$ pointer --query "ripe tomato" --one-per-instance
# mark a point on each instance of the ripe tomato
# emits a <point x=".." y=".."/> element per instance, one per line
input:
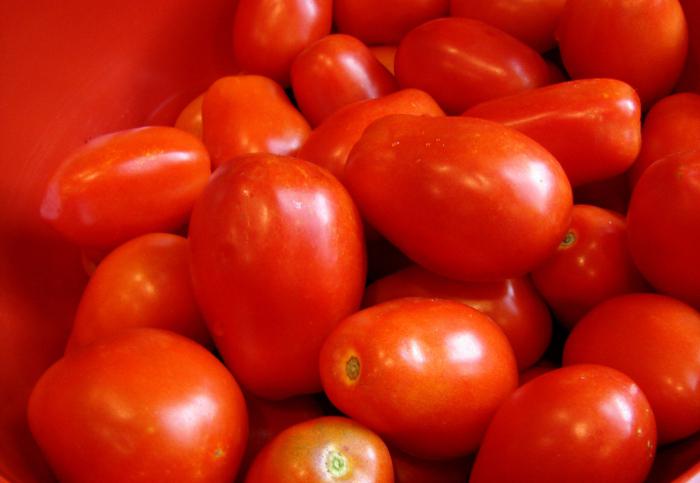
<point x="250" y="114"/>
<point x="461" y="62"/>
<point x="386" y="54"/>
<point x="690" y="79"/>
<point x="334" y="72"/>
<point x="190" y="119"/>
<point x="592" y="127"/>
<point x="465" y="198"/>
<point x="277" y="261"/>
<point x="690" y="476"/>
<point x="143" y="405"/>
<point x="425" y="374"/>
<point x="653" y="339"/>
<point x="268" y="34"/>
<point x="322" y="450"/>
<point x="663" y="223"/>
<point x="125" y="184"/>
<point x="409" y="469"/>
<point x="577" y="424"/>
<point x="643" y="43"/>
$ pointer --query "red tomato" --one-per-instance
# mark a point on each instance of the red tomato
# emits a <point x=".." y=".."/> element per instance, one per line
<point x="409" y="469"/>
<point x="675" y="459"/>
<point x="513" y="304"/>
<point x="592" y="127"/>
<point x="461" y="62"/>
<point x="322" y="450"/>
<point x="577" y="424"/>
<point x="425" y="374"/>
<point x="690" y="79"/>
<point x="250" y="114"/>
<point x="664" y="225"/>
<point x="556" y="73"/>
<point x="143" y="283"/>
<point x="641" y="42"/>
<point x="465" y="198"/>
<point x="269" y="34"/>
<point x="334" y="72"/>
<point x="690" y="476"/>
<point x="190" y="119"/>
<point x="143" y="405"/>
<point x="277" y="261"/>
<point x="654" y="340"/>
<point x="531" y="21"/>
<point x="386" y="54"/>
<point x="385" y="22"/>
<point x="125" y="184"/>
<point x="537" y="370"/>
<point x="611" y="193"/>
<point x="591" y="265"/>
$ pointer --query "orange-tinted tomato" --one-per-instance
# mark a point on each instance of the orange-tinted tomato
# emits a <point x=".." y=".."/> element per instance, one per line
<point x="409" y="469"/>
<point x="386" y="54"/>
<point x="190" y="119"/>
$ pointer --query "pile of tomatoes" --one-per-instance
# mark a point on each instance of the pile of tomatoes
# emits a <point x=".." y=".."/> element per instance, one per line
<point x="413" y="241"/>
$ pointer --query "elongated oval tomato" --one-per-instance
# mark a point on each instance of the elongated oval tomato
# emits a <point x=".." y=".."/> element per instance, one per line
<point x="277" y="261"/>
<point x="143" y="405"/>
<point x="125" y="184"/>
<point x="465" y="198"/>
<point x="461" y="62"/>
<point x="425" y="374"/>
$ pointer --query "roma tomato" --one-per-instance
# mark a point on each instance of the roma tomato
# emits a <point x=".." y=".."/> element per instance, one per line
<point x="461" y="62"/>
<point x="425" y="374"/>
<point x="513" y="304"/>
<point x="334" y="72"/>
<point x="386" y="54"/>
<point x="653" y="339"/>
<point x="592" y="127"/>
<point x="144" y="283"/>
<point x="143" y="405"/>
<point x="269" y="34"/>
<point x="190" y="119"/>
<point x="591" y="265"/>
<point x="409" y="469"/>
<point x="643" y="43"/>
<point x="125" y="184"/>
<point x="465" y="198"/>
<point x="322" y="450"/>
<point x="663" y="223"/>
<point x="577" y="424"/>
<point x="250" y="114"/>
<point x="277" y="261"/>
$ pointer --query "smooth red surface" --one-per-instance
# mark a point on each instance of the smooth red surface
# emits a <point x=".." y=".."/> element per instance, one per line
<point x="409" y="469"/>
<point x="190" y="119"/>
<point x="690" y="79"/>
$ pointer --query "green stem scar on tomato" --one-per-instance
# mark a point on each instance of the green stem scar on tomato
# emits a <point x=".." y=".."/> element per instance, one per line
<point x="337" y="464"/>
<point x="352" y="368"/>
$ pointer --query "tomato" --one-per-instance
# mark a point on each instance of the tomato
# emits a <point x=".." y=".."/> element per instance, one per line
<point x="533" y="22"/>
<point x="269" y="34"/>
<point x="334" y="72"/>
<point x="461" y="62"/>
<point x="465" y="198"/>
<point x="426" y="374"/>
<point x="556" y="73"/>
<point x="513" y="304"/>
<point x="611" y="193"/>
<point x="542" y="367"/>
<point x="592" y="127"/>
<point x="592" y="264"/>
<point x="409" y="469"/>
<point x="577" y="424"/>
<point x="322" y="450"/>
<point x="385" y="22"/>
<point x="190" y="119"/>
<point x="250" y="114"/>
<point x="386" y="55"/>
<point x="642" y="42"/>
<point x="653" y="339"/>
<point x="125" y="184"/>
<point x="664" y="225"/>
<point x="143" y="283"/>
<point x="690" y="79"/>
<point x="675" y="459"/>
<point x="690" y="476"/>
<point x="142" y="405"/>
<point x="278" y="260"/>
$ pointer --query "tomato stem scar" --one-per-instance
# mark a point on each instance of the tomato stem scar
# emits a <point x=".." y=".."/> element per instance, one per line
<point x="568" y="240"/>
<point x="336" y="464"/>
<point x="352" y="368"/>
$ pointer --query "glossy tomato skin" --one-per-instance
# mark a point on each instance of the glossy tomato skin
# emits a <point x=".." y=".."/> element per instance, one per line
<point x="330" y="143"/>
<point x="125" y="184"/>
<point x="250" y="114"/>
<point x="653" y="339"/>
<point x="577" y="424"/>
<point x="269" y="34"/>
<point x="592" y="126"/>
<point x="643" y="43"/>
<point x="465" y="198"/>
<point x="144" y="283"/>
<point x="142" y="405"/>
<point x="409" y="469"/>
<point x="277" y="261"/>
<point x="335" y="71"/>
<point x="592" y="264"/>
<point x="426" y="374"/>
<point x="324" y="449"/>
<point x="461" y="62"/>
<point x="385" y="22"/>
<point x="663" y="224"/>
<point x="513" y="304"/>
<point x="190" y="119"/>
